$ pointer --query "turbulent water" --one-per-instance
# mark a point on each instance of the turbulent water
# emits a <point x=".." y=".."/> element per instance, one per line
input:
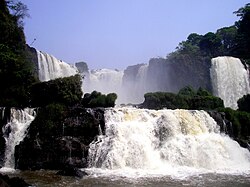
<point x="50" y="67"/>
<point x="156" y="148"/>
<point x="230" y="80"/>
<point x="15" y="131"/>
<point x="168" y="142"/>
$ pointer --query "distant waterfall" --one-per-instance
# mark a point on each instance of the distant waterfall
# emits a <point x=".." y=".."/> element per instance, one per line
<point x="230" y="80"/>
<point x="138" y="87"/>
<point x="107" y="81"/>
<point x="165" y="140"/>
<point x="15" y="131"/>
<point x="51" y="68"/>
<point x="103" y="80"/>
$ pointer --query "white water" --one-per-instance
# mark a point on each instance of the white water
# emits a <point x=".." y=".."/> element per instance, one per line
<point x="230" y="80"/>
<point x="135" y="89"/>
<point x="164" y="142"/>
<point x="50" y="68"/>
<point x="103" y="80"/>
<point x="18" y="124"/>
<point x="111" y="81"/>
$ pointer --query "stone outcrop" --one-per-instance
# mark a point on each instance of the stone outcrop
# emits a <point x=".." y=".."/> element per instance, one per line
<point x="82" y="67"/>
<point x="65" y="142"/>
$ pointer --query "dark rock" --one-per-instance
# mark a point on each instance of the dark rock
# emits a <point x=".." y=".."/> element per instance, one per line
<point x="225" y="125"/>
<point x="31" y="56"/>
<point x="5" y="181"/>
<point x="82" y="67"/>
<point x="61" y="142"/>
<point x="70" y="170"/>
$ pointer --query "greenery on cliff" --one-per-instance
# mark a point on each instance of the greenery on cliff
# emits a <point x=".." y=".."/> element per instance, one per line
<point x="62" y="90"/>
<point x="97" y="99"/>
<point x="228" y="41"/>
<point x="16" y="72"/>
<point x="187" y="98"/>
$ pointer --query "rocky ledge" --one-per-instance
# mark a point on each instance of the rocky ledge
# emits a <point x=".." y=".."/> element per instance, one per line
<point x="53" y="144"/>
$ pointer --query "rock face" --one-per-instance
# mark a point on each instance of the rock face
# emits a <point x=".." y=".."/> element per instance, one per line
<point x="82" y="67"/>
<point x="225" y="125"/>
<point x="64" y="143"/>
<point x="32" y="57"/>
<point x="167" y="75"/>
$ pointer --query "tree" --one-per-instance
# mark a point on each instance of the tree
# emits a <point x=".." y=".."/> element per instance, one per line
<point x="228" y="36"/>
<point x="244" y="103"/>
<point x="16" y="72"/>
<point x="97" y="99"/>
<point x="62" y="90"/>
<point x="210" y="44"/>
<point x="243" y="32"/>
<point x="187" y="91"/>
<point x="18" y="10"/>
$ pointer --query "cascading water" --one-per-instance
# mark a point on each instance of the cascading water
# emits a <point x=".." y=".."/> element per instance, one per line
<point x="230" y="80"/>
<point x="51" y="68"/>
<point x="107" y="81"/>
<point x="138" y="87"/>
<point x="165" y="141"/>
<point x="104" y="80"/>
<point x="15" y="131"/>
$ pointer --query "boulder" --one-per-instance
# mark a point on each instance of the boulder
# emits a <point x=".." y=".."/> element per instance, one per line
<point x="70" y="170"/>
<point x="52" y="144"/>
<point x="5" y="181"/>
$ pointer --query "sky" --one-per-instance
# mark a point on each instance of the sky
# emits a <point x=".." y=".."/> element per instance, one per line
<point x="117" y="33"/>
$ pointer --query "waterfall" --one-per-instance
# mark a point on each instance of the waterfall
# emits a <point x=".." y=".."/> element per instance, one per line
<point x="108" y="81"/>
<point x="105" y="81"/>
<point x="165" y="140"/>
<point x="51" y="68"/>
<point x="139" y="86"/>
<point x="230" y="80"/>
<point x="15" y="131"/>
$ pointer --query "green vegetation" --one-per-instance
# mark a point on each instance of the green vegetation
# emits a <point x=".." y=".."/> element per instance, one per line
<point x="63" y="90"/>
<point x="187" y="98"/>
<point x="48" y="120"/>
<point x="240" y="123"/>
<point x="16" y="72"/>
<point x="242" y="45"/>
<point x="231" y="41"/>
<point x="96" y="99"/>
<point x="244" y="103"/>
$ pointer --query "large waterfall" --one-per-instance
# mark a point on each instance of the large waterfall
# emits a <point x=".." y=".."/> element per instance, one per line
<point x="230" y="80"/>
<point x="165" y="141"/>
<point x="15" y="131"/>
<point x="107" y="81"/>
<point x="50" y="67"/>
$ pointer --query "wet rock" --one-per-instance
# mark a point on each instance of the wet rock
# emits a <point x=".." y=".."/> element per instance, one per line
<point x="5" y="181"/>
<point x="62" y="142"/>
<point x="70" y="170"/>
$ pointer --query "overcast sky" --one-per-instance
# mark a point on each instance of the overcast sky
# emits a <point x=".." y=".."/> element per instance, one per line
<point x="117" y="33"/>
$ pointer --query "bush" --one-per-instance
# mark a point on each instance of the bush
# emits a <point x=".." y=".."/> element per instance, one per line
<point x="244" y="103"/>
<point x="63" y="90"/>
<point x="240" y="122"/>
<point x="96" y="99"/>
<point x="187" y="98"/>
